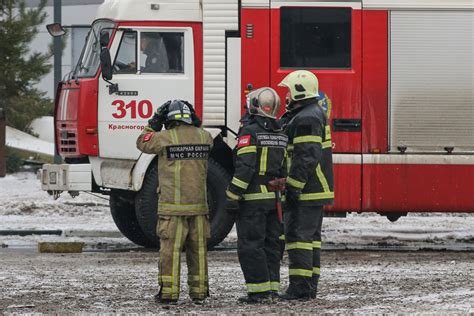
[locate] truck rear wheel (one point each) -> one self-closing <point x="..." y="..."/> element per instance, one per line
<point x="122" y="209"/>
<point x="146" y="204"/>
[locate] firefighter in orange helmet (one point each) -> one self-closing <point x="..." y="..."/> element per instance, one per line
<point x="183" y="150"/>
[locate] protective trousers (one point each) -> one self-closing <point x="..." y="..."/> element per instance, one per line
<point x="303" y="243"/>
<point x="258" y="248"/>
<point x="176" y="232"/>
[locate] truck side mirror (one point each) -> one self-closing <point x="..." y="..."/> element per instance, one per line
<point x="106" y="64"/>
<point x="55" y="29"/>
<point x="104" y="39"/>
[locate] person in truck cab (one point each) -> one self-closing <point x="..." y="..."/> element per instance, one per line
<point x="259" y="160"/>
<point x="155" y="55"/>
<point x="183" y="150"/>
<point x="153" y="46"/>
<point x="309" y="184"/>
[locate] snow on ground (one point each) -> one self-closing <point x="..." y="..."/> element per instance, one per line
<point x="125" y="282"/>
<point x="352" y="282"/>
<point x="23" y="205"/>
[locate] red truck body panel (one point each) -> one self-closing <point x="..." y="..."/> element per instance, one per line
<point x="361" y="92"/>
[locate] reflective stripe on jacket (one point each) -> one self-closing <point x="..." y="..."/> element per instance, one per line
<point x="310" y="154"/>
<point x="258" y="158"/>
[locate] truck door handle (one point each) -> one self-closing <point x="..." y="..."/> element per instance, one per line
<point x="346" y="125"/>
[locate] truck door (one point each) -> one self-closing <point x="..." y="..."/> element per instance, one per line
<point x="151" y="66"/>
<point x="325" y="38"/>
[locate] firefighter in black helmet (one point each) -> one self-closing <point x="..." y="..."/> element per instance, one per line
<point x="183" y="150"/>
<point x="309" y="183"/>
<point x="259" y="158"/>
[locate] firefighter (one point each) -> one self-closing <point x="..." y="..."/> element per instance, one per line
<point x="183" y="150"/>
<point x="309" y="183"/>
<point x="153" y="46"/>
<point x="259" y="158"/>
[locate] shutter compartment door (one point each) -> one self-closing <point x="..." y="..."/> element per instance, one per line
<point x="431" y="89"/>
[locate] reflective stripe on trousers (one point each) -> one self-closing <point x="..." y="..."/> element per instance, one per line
<point x="263" y="287"/>
<point x="176" y="232"/>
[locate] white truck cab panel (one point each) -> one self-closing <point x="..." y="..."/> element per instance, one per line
<point x="123" y="115"/>
<point x="145" y="10"/>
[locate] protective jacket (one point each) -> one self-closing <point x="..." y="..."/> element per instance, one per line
<point x="182" y="152"/>
<point x="310" y="154"/>
<point x="259" y="157"/>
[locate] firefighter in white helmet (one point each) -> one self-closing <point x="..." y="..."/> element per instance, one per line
<point x="259" y="160"/>
<point x="309" y="184"/>
<point x="183" y="150"/>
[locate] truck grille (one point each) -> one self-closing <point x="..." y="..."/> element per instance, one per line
<point x="67" y="138"/>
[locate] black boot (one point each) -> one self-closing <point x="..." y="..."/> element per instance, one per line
<point x="314" y="286"/>
<point x="292" y="294"/>
<point x="274" y="295"/>
<point x="199" y="301"/>
<point x="164" y="301"/>
<point x="258" y="298"/>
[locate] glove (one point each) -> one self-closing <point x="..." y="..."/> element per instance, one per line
<point x="156" y="122"/>
<point x="196" y="121"/>
<point x="159" y="118"/>
<point x="277" y="185"/>
<point x="232" y="207"/>
<point x="232" y="196"/>
<point x="292" y="197"/>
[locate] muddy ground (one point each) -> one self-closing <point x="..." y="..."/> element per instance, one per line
<point x="125" y="282"/>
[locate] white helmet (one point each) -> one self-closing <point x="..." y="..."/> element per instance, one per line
<point x="302" y="84"/>
<point x="264" y="102"/>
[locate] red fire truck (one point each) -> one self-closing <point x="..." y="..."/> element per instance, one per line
<point x="399" y="73"/>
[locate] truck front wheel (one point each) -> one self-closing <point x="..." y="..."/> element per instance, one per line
<point x="122" y="209"/>
<point x="146" y="204"/>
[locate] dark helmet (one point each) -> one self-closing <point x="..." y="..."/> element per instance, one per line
<point x="179" y="110"/>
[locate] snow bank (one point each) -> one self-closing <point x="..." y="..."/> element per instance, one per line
<point x="24" y="141"/>
<point x="23" y="205"/>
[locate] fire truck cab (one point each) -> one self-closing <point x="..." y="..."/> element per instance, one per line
<point x="399" y="74"/>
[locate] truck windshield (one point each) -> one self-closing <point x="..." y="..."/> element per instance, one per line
<point x="90" y="57"/>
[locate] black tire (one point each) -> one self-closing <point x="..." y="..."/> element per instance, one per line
<point x="146" y="204"/>
<point x="122" y="209"/>
<point x="393" y="217"/>
<point x="221" y="221"/>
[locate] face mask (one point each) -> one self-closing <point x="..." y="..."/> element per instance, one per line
<point x="289" y="105"/>
<point x="289" y="102"/>
<point x="247" y="103"/>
